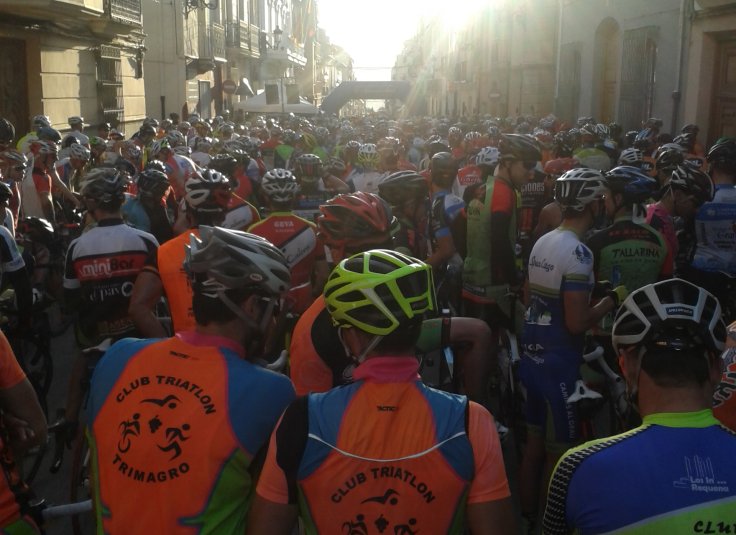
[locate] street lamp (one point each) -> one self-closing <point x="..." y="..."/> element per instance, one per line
<point x="277" y="33"/>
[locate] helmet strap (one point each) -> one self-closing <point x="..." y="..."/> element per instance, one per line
<point x="359" y="358"/>
<point x="239" y="312"/>
<point x="632" y="390"/>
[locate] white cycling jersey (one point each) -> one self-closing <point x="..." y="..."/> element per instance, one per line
<point x="715" y="229"/>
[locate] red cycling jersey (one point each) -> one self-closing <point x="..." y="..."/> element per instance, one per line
<point x="297" y="239"/>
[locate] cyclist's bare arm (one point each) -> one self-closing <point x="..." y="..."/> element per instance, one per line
<point x="550" y="218"/>
<point x="147" y="291"/>
<point x="444" y="251"/>
<point x="269" y="518"/>
<point x="57" y="183"/>
<point x="492" y="518"/>
<point x="579" y="315"/>
<point x="23" y="416"/>
<point x="335" y="185"/>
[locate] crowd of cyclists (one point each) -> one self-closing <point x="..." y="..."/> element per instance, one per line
<point x="351" y="255"/>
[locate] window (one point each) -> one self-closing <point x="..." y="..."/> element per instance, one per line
<point x="110" y="84"/>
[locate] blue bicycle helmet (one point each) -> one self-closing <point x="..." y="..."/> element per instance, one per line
<point x="631" y="182"/>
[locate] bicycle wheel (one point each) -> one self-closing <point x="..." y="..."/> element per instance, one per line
<point x="34" y="355"/>
<point x="31" y="462"/>
<point x="80" y="483"/>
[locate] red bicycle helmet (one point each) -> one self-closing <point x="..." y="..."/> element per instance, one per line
<point x="362" y="220"/>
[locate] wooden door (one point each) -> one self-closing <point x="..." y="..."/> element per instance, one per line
<point x="14" y="84"/>
<point x="723" y="119"/>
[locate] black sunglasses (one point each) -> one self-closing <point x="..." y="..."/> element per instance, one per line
<point x="529" y="165"/>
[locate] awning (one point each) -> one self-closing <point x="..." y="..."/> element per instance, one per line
<point x="244" y="89"/>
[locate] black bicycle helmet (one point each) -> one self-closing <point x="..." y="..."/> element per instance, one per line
<point x="156" y="165"/>
<point x="685" y="140"/>
<point x="519" y="147"/>
<point x="443" y="168"/>
<point x="693" y="182"/>
<point x="631" y="182"/>
<point x="47" y="133"/>
<point x="673" y="315"/>
<point x="7" y="131"/>
<point x="5" y="192"/>
<point x="36" y="229"/>
<point x="104" y="185"/>
<point x="402" y="186"/>
<point x="152" y="183"/>
<point x="724" y="151"/>
<point x="668" y="157"/>
<point x="308" y="168"/>
<point x="224" y="163"/>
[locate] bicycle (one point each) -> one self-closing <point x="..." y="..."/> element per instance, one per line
<point x="31" y="346"/>
<point x="589" y="401"/>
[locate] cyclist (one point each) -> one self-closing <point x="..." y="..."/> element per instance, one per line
<point x="679" y="463"/>
<point x="587" y="154"/>
<point x="295" y="237"/>
<point x="629" y="252"/>
<point x="471" y="173"/>
<point x="71" y="168"/>
<point x="315" y="186"/>
<point x="206" y="200"/>
<point x="38" y="121"/>
<point x="666" y="160"/>
<point x="685" y="192"/>
<point x="283" y="151"/>
<point x="715" y="250"/>
<point x="100" y="269"/>
<point x="550" y="216"/>
<point x="177" y="422"/>
<point x="445" y="235"/>
<point x="7" y="134"/>
<point x="406" y="192"/>
<point x="179" y="168"/>
<point x="365" y="177"/>
<point x="148" y="211"/>
<point x="76" y="125"/>
<point x="342" y="451"/>
<point x="491" y="272"/>
<point x="560" y="283"/>
<point x="22" y="427"/>
<point x="13" y="169"/>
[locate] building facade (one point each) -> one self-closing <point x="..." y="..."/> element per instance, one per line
<point x="72" y="57"/>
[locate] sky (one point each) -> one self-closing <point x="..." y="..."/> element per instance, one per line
<point x="373" y="32"/>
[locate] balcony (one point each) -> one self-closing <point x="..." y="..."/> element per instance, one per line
<point x="125" y="11"/>
<point x="250" y="39"/>
<point x="288" y="54"/>
<point x="211" y="43"/>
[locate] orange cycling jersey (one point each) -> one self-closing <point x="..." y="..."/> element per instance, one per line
<point x="297" y="239"/>
<point x="386" y="451"/>
<point x="168" y="265"/>
<point x="11" y="521"/>
<point x="174" y="426"/>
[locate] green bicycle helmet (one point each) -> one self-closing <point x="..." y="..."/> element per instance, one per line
<point x="379" y="291"/>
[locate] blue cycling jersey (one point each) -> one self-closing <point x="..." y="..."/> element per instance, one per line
<point x="673" y="474"/>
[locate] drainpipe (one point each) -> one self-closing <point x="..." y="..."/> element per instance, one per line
<point x="560" y="8"/>
<point x="686" y="8"/>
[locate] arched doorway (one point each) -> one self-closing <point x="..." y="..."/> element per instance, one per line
<point x="606" y="70"/>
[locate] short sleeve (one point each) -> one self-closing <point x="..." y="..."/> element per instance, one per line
<point x="578" y="275"/>
<point x="490" y="482"/>
<point x="10" y="371"/>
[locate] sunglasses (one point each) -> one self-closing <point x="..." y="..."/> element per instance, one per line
<point x="20" y="167"/>
<point x="529" y="165"/>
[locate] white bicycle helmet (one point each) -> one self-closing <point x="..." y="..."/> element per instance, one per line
<point x="577" y="188"/>
<point x="671" y="315"/>
<point x="488" y="156"/>
<point x="631" y="156"/>
<point x="208" y="192"/>
<point x="224" y="259"/>
<point x="280" y="186"/>
<point x="79" y="152"/>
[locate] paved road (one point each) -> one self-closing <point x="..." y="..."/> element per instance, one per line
<point x="55" y="487"/>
